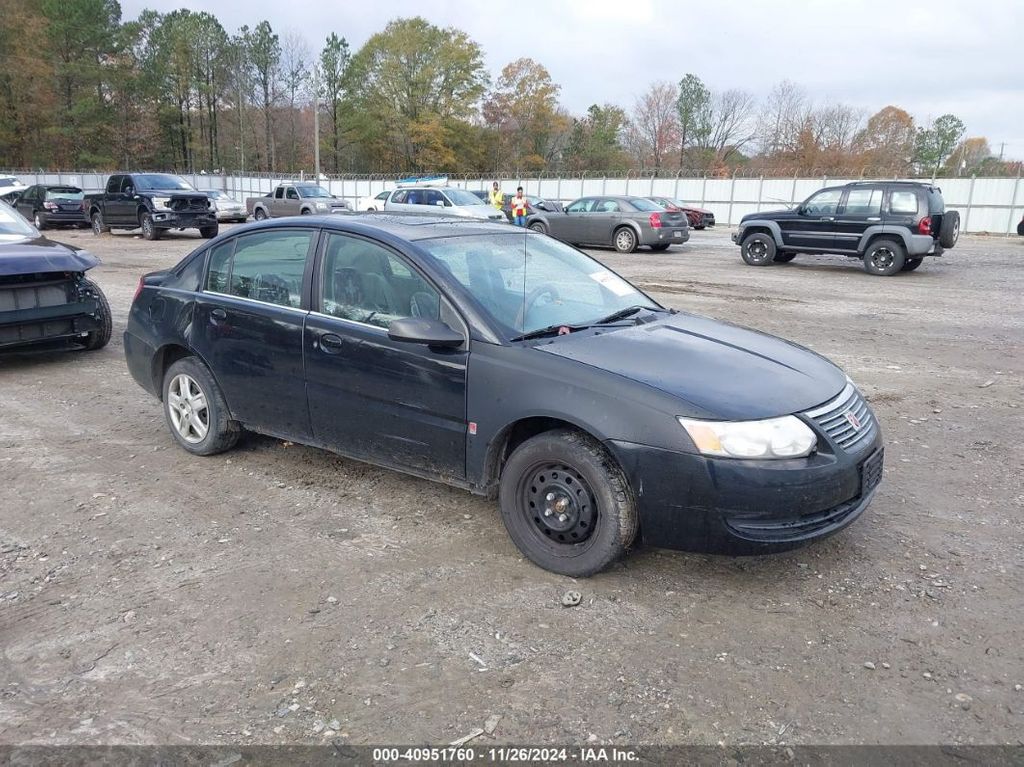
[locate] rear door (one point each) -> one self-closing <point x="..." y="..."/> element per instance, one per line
<point x="597" y="225"/>
<point x="861" y="208"/>
<point x="28" y="202"/>
<point x="814" y="225"/>
<point x="248" y="327"/>
<point x="391" y="402"/>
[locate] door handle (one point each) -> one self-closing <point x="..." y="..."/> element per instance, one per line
<point x="874" y="218"/>
<point x="218" y="315"/>
<point x="828" y="218"/>
<point x="331" y="343"/>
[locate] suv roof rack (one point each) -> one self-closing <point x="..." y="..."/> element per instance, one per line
<point x="883" y="181"/>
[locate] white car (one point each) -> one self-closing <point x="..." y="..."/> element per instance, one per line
<point x="10" y="184"/>
<point x="441" y="200"/>
<point x="227" y="207"/>
<point x="373" y="203"/>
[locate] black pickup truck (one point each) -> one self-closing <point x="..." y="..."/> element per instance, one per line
<point x="152" y="202"/>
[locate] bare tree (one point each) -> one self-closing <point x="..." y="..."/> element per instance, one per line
<point x="655" y="124"/>
<point x="731" y="122"/>
<point x="782" y="117"/>
<point x="295" y="59"/>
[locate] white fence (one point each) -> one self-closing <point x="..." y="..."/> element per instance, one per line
<point x="986" y="204"/>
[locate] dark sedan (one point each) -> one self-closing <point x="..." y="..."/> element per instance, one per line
<point x="513" y="366"/>
<point x="625" y="223"/>
<point x="48" y="205"/>
<point x="45" y="297"/>
<point x="698" y="218"/>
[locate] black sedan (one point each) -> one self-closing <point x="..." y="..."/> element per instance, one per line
<point x="511" y="365"/>
<point x="45" y="297"/>
<point x="625" y="223"/>
<point x="48" y="205"/>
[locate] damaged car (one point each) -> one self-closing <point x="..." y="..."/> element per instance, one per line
<point x="45" y="297"/>
<point x="514" y="366"/>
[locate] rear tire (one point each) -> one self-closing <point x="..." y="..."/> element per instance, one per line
<point x="260" y="214"/>
<point x="624" y="240"/>
<point x="100" y="337"/>
<point x="784" y="258"/>
<point x="37" y="220"/>
<point x="660" y="248"/>
<point x="949" y="232"/>
<point x="209" y="232"/>
<point x="195" y="410"/>
<point x="758" y="249"/>
<point x="911" y="264"/>
<point x="98" y="227"/>
<point x="884" y="258"/>
<point x="572" y="478"/>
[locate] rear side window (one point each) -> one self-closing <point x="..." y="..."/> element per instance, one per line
<point x="188" y="274"/>
<point x="266" y="266"/>
<point x="607" y="206"/>
<point x="903" y="202"/>
<point x="399" y="197"/>
<point x="114" y="185"/>
<point x="864" y="202"/>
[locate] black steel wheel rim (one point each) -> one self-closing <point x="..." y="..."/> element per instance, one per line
<point x="558" y="504"/>
<point x="757" y="250"/>
<point x="882" y="258"/>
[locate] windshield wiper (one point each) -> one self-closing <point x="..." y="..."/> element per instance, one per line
<point x="621" y="314"/>
<point x="549" y="330"/>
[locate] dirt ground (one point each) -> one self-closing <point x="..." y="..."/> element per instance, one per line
<point x="279" y="594"/>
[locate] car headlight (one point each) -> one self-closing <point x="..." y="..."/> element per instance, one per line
<point x="785" y="437"/>
<point x="162" y="202"/>
<point x="321" y="206"/>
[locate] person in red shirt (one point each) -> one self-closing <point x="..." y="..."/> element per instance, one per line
<point x="519" y="208"/>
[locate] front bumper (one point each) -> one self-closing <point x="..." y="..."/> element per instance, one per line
<point x="727" y="506"/>
<point x="171" y="219"/>
<point x="50" y="310"/>
<point x="675" y="235"/>
<point x="232" y="214"/>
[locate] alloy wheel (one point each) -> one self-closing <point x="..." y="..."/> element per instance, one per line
<point x="882" y="258"/>
<point x="188" y="408"/>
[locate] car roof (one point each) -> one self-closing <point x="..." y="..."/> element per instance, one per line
<point x="407" y="226"/>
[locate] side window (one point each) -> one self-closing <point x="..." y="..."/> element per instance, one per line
<point x="279" y="193"/>
<point x="292" y="194"/>
<point x="903" y="202"/>
<point x="127" y="187"/>
<point x="114" y="184"/>
<point x="382" y="196"/>
<point x="365" y="282"/>
<point x="608" y="206"/>
<point x="863" y="202"/>
<point x="220" y="267"/>
<point x="399" y="196"/>
<point x="824" y="203"/>
<point x="581" y="206"/>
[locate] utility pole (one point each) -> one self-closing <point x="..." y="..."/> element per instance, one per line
<point x="316" y="121"/>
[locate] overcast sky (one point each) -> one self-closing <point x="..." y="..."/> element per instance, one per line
<point x="927" y="56"/>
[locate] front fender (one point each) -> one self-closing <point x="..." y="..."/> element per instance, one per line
<point x="760" y="223"/>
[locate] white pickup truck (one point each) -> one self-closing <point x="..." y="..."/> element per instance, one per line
<point x="295" y="199"/>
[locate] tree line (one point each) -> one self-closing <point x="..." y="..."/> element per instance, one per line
<point x="81" y="87"/>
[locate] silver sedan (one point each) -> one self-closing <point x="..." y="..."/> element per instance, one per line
<point x="625" y="223"/>
<point x="227" y="207"/>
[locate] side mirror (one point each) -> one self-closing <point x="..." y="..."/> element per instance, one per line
<point x="439" y="202"/>
<point x="541" y="205"/>
<point x="801" y="210"/>
<point x="422" y="330"/>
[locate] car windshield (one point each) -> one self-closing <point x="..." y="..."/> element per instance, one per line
<point x="527" y="281"/>
<point x="64" y="193"/>
<point x="8" y="181"/>
<point x="161" y="181"/>
<point x="13" y="226"/>
<point x="313" y="191"/>
<point x="646" y="205"/>
<point x="462" y="197"/>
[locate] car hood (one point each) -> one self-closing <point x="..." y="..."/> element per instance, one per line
<point x="767" y="214"/>
<point x="30" y="256"/>
<point x="695" y="209"/>
<point x="722" y="371"/>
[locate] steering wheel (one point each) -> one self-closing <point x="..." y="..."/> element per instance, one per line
<point x="541" y="290"/>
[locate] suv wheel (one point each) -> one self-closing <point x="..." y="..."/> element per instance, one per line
<point x="884" y="258"/>
<point x="784" y="258"/>
<point x="758" y="249"/>
<point x="566" y="504"/>
<point x="949" y="231"/>
<point x="911" y="264"/>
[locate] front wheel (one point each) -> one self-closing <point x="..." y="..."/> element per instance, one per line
<point x="195" y="410"/>
<point x="149" y="230"/>
<point x="537" y="226"/>
<point x="260" y="214"/>
<point x="566" y="504"/>
<point x="884" y="258"/>
<point x="624" y="240"/>
<point x="97" y="339"/>
<point x="758" y="249"/>
<point x="209" y="232"/>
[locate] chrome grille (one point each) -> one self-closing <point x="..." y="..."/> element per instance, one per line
<point x="840" y="417"/>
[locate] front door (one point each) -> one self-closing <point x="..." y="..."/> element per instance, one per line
<point x="391" y="402"/>
<point x="248" y="326"/>
<point x="571" y="225"/>
<point x="814" y="225"/>
<point x="861" y="209"/>
<point x="599" y="224"/>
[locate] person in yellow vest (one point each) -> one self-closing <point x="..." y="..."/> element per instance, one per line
<point x="496" y="197"/>
<point x="519" y="208"/>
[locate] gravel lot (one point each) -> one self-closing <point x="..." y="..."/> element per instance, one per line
<point x="279" y="594"/>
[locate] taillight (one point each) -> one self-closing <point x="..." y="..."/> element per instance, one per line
<point x="51" y="205"/>
<point x="655" y="221"/>
<point x="138" y="291"/>
<point x="925" y="227"/>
